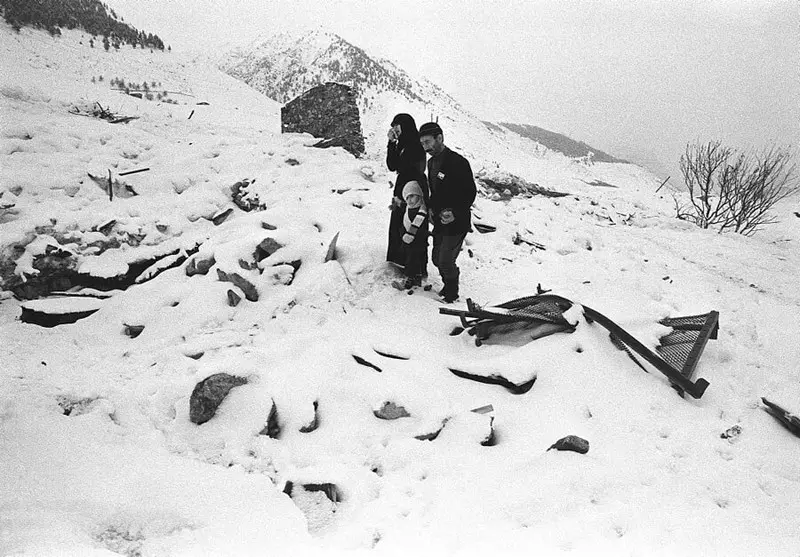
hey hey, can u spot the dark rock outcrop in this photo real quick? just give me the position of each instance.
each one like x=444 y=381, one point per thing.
x=57 y=272
x=329 y=112
x=57 y=268
x=209 y=393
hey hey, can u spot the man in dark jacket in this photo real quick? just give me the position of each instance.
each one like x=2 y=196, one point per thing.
x=452 y=192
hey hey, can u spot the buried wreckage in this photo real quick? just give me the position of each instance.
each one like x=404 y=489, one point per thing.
x=543 y=314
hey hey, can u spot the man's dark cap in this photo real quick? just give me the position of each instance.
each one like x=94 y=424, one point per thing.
x=430 y=128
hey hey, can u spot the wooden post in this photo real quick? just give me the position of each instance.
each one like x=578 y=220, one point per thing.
x=133 y=171
x=662 y=183
x=190 y=115
x=110 y=187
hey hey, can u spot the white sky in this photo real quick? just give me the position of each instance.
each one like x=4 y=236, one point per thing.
x=636 y=78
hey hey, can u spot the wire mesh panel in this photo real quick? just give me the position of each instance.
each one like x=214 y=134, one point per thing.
x=682 y=347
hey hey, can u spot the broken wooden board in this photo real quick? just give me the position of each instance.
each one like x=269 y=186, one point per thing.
x=493 y=378
x=786 y=418
x=366 y=363
x=484 y=228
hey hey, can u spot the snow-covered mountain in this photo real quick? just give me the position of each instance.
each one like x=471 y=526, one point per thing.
x=284 y=65
x=100 y=456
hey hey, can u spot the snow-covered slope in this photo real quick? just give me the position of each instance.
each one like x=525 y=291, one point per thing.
x=98 y=455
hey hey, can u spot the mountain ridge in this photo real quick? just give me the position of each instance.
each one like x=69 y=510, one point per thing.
x=562 y=143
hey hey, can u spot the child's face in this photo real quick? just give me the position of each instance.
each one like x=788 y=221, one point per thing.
x=413 y=200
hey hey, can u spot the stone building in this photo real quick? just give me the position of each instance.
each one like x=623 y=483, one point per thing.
x=329 y=112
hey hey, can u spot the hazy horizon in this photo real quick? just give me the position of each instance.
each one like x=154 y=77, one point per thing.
x=636 y=79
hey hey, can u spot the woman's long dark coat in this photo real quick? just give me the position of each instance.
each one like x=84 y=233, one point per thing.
x=407 y=158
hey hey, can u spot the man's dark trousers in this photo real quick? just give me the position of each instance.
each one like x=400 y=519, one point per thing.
x=445 y=251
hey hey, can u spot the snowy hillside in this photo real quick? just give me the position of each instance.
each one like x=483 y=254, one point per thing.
x=99 y=456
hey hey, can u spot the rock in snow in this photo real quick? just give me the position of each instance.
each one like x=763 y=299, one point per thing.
x=233 y=298
x=209 y=393
x=391 y=411
x=249 y=289
x=199 y=266
x=571 y=443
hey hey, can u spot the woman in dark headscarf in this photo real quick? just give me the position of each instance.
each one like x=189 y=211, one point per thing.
x=404 y=155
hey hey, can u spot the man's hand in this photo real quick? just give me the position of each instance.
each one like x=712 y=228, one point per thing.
x=446 y=216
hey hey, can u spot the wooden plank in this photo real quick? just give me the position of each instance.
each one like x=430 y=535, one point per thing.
x=331 y=253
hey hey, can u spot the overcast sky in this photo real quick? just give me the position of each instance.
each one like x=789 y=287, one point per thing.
x=637 y=78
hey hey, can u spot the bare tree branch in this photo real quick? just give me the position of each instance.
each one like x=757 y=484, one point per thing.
x=735 y=191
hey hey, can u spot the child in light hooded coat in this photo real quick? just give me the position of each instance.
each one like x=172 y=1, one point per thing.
x=415 y=234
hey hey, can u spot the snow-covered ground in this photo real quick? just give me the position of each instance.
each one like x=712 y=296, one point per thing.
x=126 y=472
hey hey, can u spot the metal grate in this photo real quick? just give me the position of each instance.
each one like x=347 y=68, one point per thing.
x=682 y=347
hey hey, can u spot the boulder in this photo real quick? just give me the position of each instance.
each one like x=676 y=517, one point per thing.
x=209 y=393
x=199 y=265
x=571 y=443
x=247 y=287
x=267 y=247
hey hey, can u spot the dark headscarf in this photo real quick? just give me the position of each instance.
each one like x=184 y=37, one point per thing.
x=409 y=135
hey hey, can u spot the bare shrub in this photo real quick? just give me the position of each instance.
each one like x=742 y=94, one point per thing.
x=735 y=191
